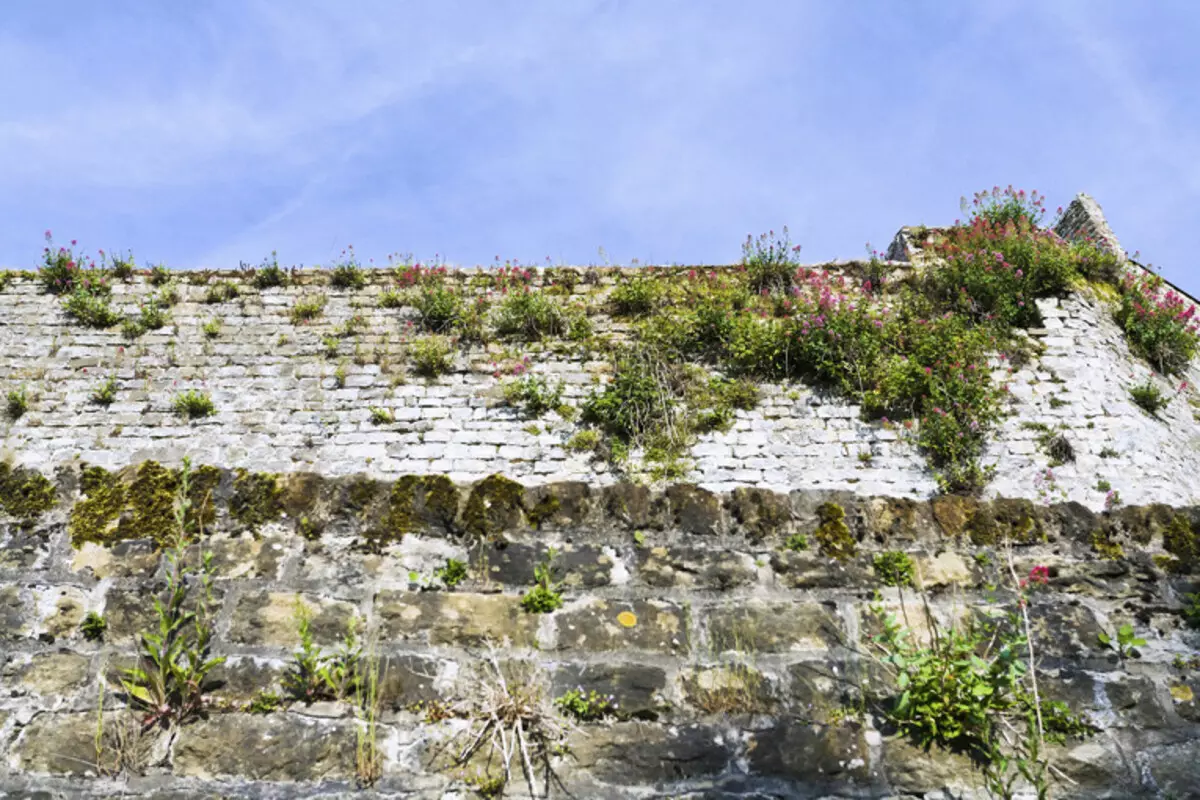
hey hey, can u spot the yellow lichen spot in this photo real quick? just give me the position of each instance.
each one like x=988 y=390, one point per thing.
x=1182 y=693
x=627 y=619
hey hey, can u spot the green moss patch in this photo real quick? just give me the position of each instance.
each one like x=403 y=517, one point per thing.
x=833 y=534
x=94 y=518
x=1013 y=520
x=496 y=504
x=1182 y=541
x=257 y=498
x=25 y=493
x=419 y=502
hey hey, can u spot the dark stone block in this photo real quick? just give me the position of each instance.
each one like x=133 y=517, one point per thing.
x=624 y=625
x=695 y=510
x=758 y=627
x=635 y=687
x=813 y=755
x=640 y=753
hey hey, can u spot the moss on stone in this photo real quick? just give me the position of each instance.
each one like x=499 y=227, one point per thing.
x=149 y=505
x=94 y=518
x=1105 y=546
x=419 y=502
x=1183 y=543
x=833 y=534
x=1000 y=520
x=496 y=504
x=25 y=493
x=545 y=509
x=257 y=498
x=360 y=493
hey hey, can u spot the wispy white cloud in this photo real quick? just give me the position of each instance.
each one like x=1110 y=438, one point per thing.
x=211 y=132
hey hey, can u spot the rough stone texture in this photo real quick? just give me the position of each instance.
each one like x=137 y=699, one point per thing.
x=738 y=666
x=279 y=408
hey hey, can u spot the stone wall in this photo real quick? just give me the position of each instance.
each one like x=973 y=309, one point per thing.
x=737 y=665
x=279 y=407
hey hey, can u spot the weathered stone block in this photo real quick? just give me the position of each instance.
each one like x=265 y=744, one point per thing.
x=807 y=570
x=271 y=618
x=642 y=753
x=48 y=674
x=832 y=756
x=455 y=618
x=574 y=565
x=759 y=627
x=274 y=747
x=624 y=625
x=685 y=566
x=636 y=688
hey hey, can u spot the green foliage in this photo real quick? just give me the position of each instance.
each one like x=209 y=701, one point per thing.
x=106 y=392
x=894 y=568
x=339 y=375
x=316 y=675
x=193 y=404
x=586 y=706
x=796 y=543
x=545 y=596
x=584 y=441
x=62 y=271
x=221 y=292
x=533 y=395
x=212 y=328
x=158 y=275
x=90 y=308
x=390 y=298
x=452 y=574
x=1125 y=644
x=770 y=261
x=637 y=296
x=382 y=416
x=1159 y=323
x=1148 y=397
x=16 y=402
x=346 y=273
x=93 y=627
x=529 y=314
x=269 y=274
x=438 y=306
x=151 y=314
x=431 y=356
x=264 y=702
x=1191 y=609
x=307 y=309
x=174 y=659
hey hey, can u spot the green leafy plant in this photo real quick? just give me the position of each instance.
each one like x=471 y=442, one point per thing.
x=221 y=292
x=584 y=441
x=90 y=308
x=175 y=660
x=151 y=315
x=106 y=392
x=390 y=298
x=339 y=376
x=894 y=568
x=1125 y=644
x=212 y=328
x=158 y=275
x=796 y=543
x=16 y=402
x=770 y=260
x=452 y=574
x=382 y=416
x=586 y=706
x=637 y=296
x=1191 y=609
x=264 y=702
x=533 y=395
x=438 y=306
x=530 y=314
x=269 y=274
x=307 y=309
x=1148 y=397
x=545 y=596
x=93 y=627
x=193 y=404
x=431 y=356
x=1159 y=323
x=315 y=675
x=346 y=273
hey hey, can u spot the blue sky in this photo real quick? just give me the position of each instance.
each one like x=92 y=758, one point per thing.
x=204 y=133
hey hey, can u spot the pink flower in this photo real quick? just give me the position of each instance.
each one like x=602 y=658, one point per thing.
x=1039 y=574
